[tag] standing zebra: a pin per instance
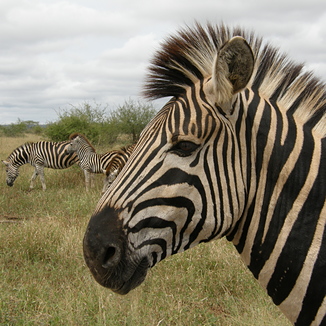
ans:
(239, 151)
(90, 161)
(42, 154)
(118, 161)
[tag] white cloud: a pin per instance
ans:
(58, 52)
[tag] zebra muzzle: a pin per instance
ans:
(106, 254)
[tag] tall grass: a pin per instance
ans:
(44, 280)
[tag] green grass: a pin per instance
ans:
(44, 279)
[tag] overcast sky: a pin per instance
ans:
(54, 54)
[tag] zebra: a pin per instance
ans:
(90, 161)
(115, 166)
(41, 154)
(238, 152)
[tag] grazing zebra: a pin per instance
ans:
(42, 154)
(90, 161)
(239, 151)
(118, 161)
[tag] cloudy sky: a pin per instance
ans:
(54, 54)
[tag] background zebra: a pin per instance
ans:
(239, 151)
(89, 160)
(116, 164)
(42, 154)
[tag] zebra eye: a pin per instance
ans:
(184, 148)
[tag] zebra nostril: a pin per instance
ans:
(111, 257)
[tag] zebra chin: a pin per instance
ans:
(107, 256)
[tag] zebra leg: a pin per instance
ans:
(41, 174)
(92, 179)
(87, 177)
(35, 173)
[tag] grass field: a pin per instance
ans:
(44, 279)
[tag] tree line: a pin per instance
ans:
(94, 121)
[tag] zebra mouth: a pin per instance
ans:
(10, 184)
(137, 277)
(121, 279)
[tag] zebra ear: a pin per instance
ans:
(6, 163)
(232, 70)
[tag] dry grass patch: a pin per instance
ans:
(44, 280)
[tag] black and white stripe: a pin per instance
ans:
(90, 161)
(116, 164)
(239, 151)
(42, 154)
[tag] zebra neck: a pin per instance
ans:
(21, 155)
(282, 228)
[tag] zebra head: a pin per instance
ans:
(78, 143)
(179, 186)
(12, 172)
(75, 143)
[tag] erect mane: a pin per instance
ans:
(189, 57)
(26, 144)
(18, 149)
(76, 134)
(128, 149)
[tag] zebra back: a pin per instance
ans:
(106, 159)
(52, 155)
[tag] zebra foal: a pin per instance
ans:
(239, 151)
(42, 154)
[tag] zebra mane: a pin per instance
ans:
(189, 56)
(27, 144)
(76, 134)
(128, 149)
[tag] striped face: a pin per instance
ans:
(168, 198)
(73, 145)
(12, 173)
(183, 182)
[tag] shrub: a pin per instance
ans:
(15, 129)
(84, 119)
(127, 121)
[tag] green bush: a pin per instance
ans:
(84, 119)
(20, 128)
(100, 128)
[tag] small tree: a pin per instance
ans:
(131, 118)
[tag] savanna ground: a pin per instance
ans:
(44, 279)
